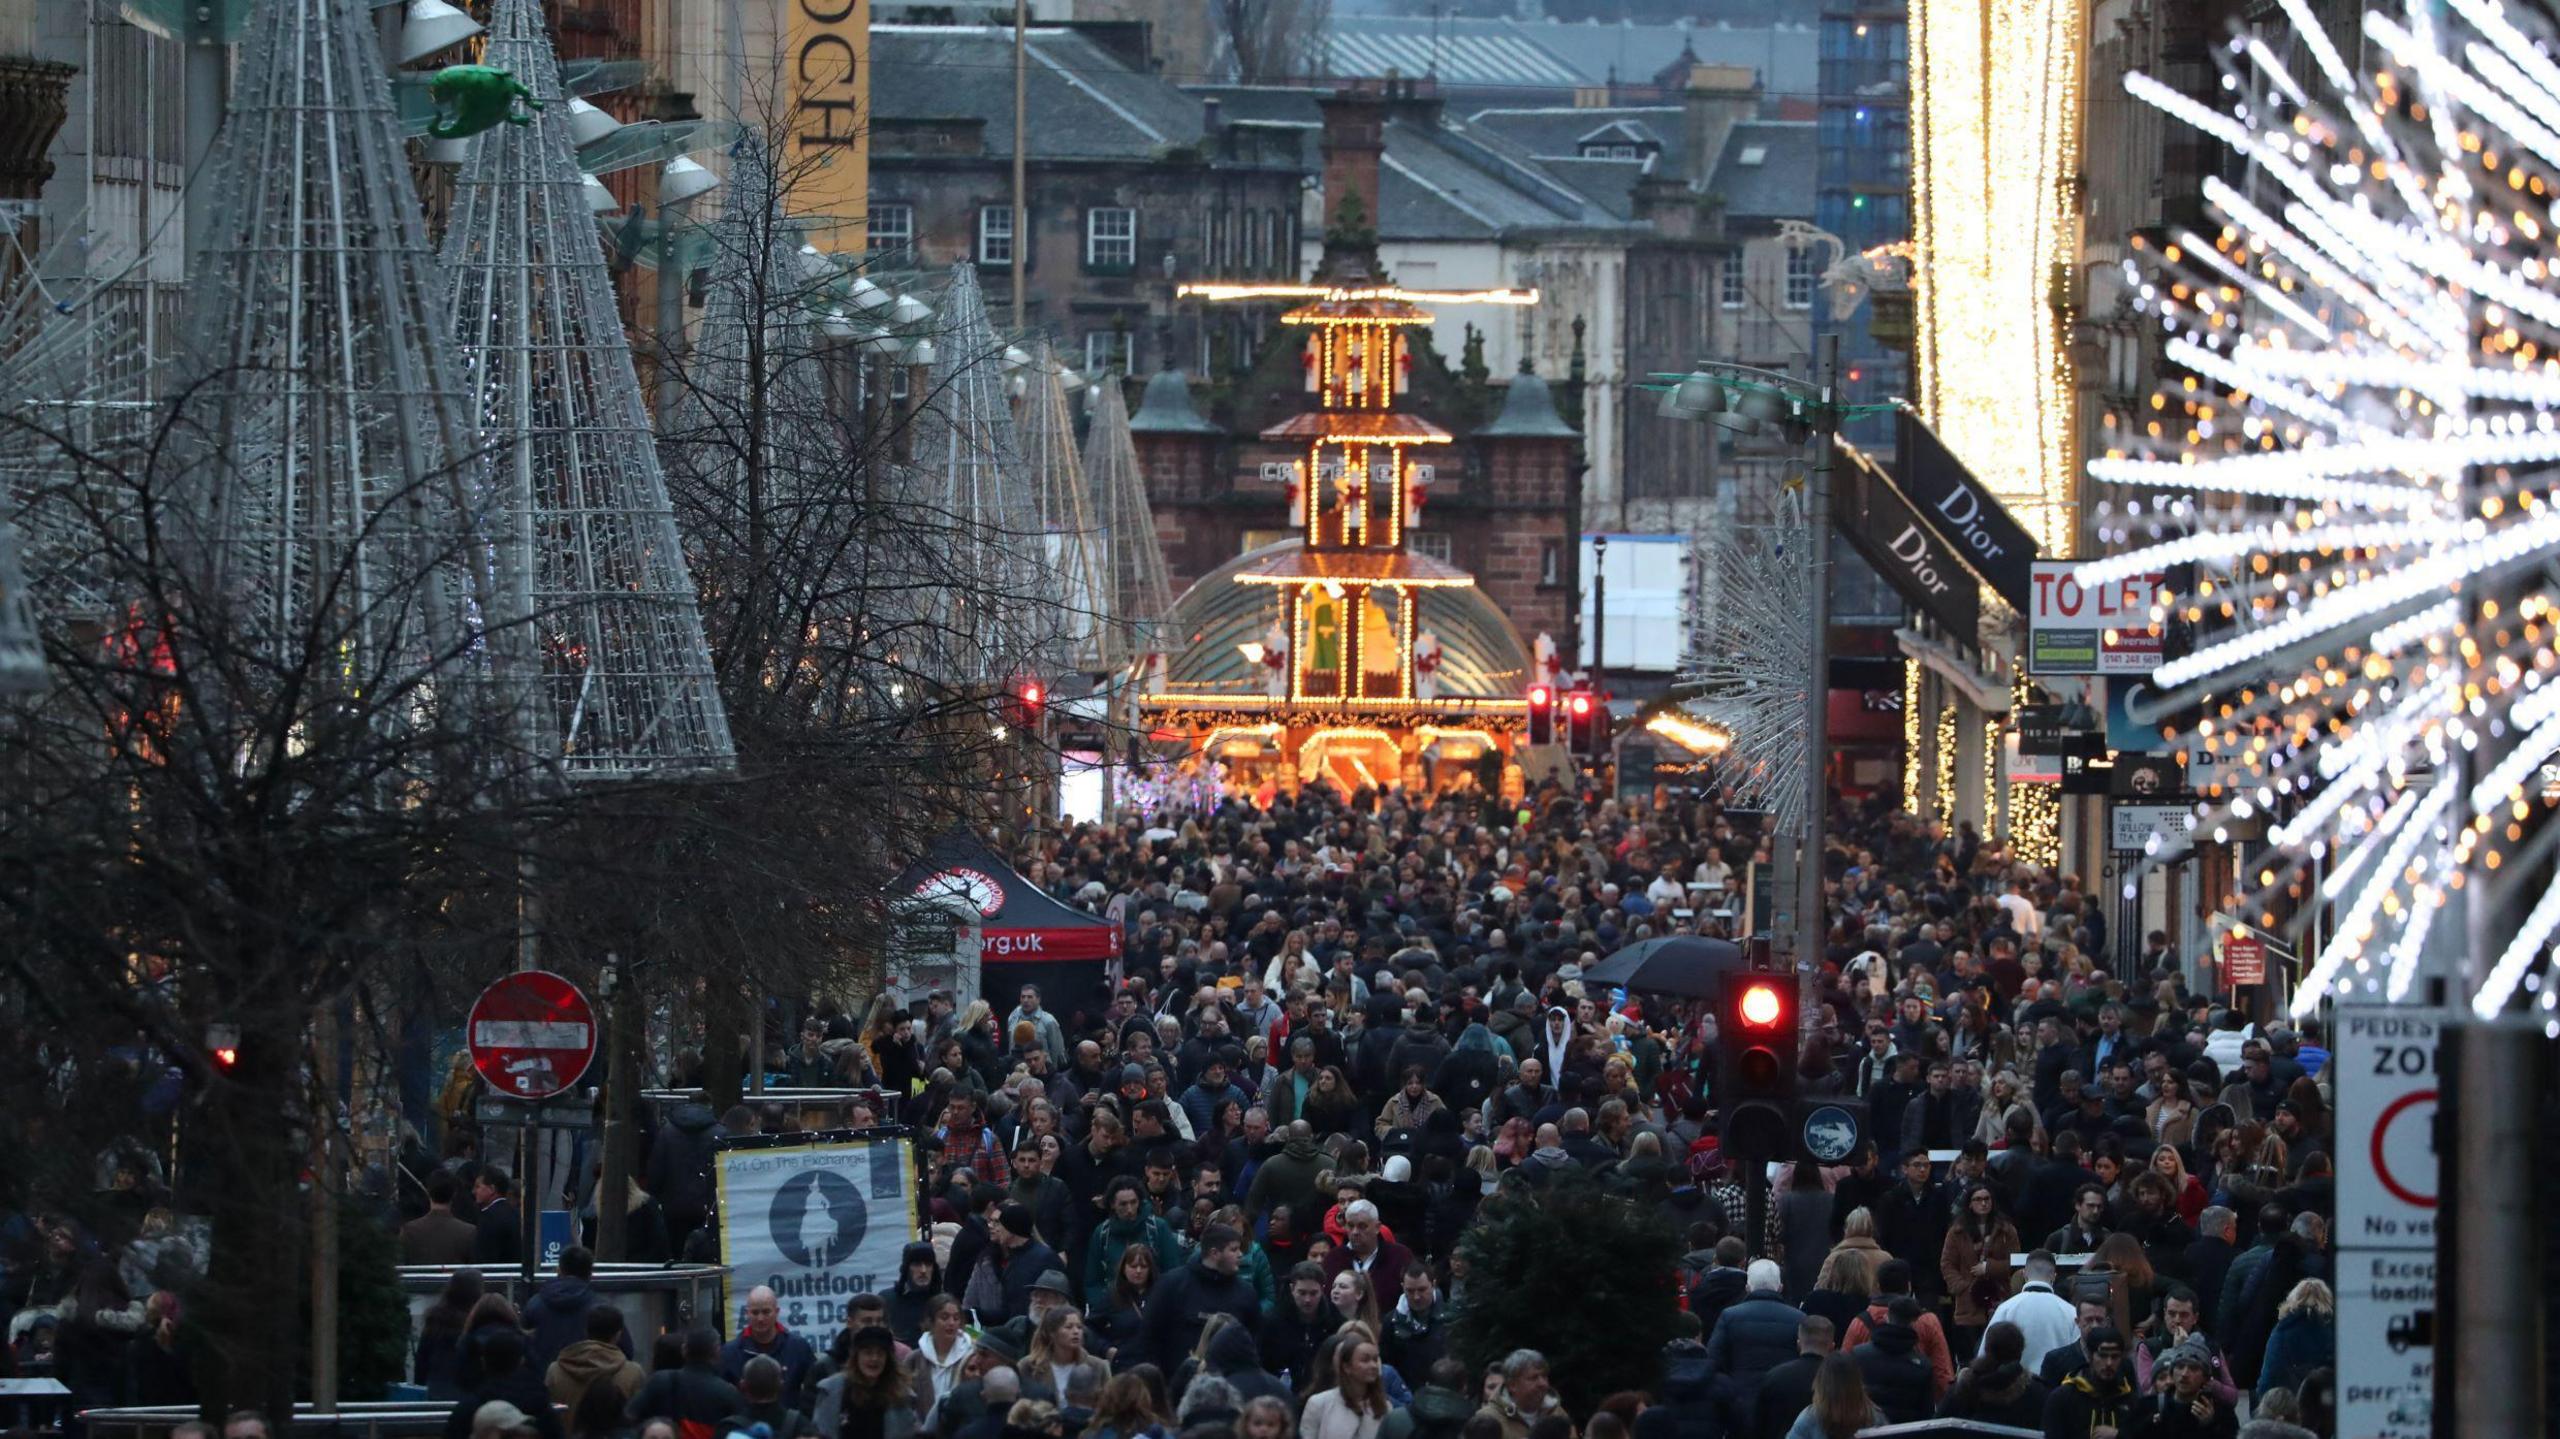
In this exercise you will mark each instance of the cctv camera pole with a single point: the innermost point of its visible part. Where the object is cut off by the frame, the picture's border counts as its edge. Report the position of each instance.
(1810, 925)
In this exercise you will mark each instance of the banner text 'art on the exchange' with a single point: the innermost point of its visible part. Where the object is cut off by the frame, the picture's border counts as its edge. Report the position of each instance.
(816, 1223)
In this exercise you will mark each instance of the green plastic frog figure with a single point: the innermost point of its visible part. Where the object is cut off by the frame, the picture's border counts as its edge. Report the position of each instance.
(479, 97)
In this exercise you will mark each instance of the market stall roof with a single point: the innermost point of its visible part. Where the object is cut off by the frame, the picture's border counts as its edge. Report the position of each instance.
(1018, 924)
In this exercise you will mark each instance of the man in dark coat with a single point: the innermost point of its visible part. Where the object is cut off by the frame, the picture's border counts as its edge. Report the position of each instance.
(1789, 1387)
(556, 1316)
(500, 1239)
(2209, 1257)
(1755, 1335)
(1911, 1222)
(1023, 1258)
(1185, 1299)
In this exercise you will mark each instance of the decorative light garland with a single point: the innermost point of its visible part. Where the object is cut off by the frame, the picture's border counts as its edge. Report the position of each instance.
(2035, 808)
(1948, 755)
(1339, 295)
(1994, 801)
(1911, 772)
(1995, 120)
(2377, 650)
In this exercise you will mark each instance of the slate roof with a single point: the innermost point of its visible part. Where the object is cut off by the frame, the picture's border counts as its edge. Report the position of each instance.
(1089, 104)
(1780, 187)
(1558, 131)
(1529, 56)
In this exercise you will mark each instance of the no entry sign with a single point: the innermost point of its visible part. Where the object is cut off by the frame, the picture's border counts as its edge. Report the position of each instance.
(531, 1034)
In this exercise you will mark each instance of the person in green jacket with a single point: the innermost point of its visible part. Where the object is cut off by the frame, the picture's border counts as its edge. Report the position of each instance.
(1132, 1221)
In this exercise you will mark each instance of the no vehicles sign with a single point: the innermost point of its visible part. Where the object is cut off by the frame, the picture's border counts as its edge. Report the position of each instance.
(2386, 1059)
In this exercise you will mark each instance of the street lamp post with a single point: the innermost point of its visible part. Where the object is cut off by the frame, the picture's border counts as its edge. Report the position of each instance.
(1811, 410)
(1817, 685)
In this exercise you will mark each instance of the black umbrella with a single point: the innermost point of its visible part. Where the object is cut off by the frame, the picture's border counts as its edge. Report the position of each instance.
(1682, 964)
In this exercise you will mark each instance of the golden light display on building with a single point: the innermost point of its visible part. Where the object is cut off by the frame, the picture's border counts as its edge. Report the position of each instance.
(1995, 118)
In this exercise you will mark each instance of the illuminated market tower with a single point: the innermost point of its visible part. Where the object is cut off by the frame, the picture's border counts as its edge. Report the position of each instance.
(1353, 687)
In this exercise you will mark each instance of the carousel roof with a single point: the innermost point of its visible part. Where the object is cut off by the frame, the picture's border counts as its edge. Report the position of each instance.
(1378, 427)
(1300, 565)
(1481, 655)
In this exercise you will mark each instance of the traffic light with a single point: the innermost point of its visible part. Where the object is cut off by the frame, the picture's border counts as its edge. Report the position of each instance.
(1030, 706)
(1581, 721)
(1756, 1065)
(1542, 714)
(222, 1042)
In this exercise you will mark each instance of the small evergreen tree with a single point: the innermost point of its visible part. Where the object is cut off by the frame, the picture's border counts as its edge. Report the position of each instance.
(1580, 1276)
(373, 1311)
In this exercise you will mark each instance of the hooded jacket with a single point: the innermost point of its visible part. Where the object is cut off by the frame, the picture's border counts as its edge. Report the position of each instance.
(1896, 1374)
(1112, 1237)
(2079, 1404)
(1183, 1302)
(1552, 1045)
(1932, 1337)
(2007, 1395)
(1233, 1357)
(1472, 1074)
(588, 1362)
(1288, 1177)
(680, 1163)
(556, 1318)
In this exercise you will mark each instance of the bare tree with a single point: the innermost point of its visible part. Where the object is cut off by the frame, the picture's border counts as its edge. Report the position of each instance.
(1274, 41)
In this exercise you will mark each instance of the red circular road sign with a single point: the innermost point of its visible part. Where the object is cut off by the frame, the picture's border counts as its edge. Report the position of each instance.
(2403, 1106)
(531, 1034)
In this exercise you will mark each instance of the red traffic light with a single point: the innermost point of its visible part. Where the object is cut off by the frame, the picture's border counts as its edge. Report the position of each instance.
(1031, 694)
(226, 1057)
(1581, 705)
(1540, 696)
(1762, 1007)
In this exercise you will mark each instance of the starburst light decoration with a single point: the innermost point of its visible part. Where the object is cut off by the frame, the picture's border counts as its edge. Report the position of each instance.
(2362, 477)
(1749, 657)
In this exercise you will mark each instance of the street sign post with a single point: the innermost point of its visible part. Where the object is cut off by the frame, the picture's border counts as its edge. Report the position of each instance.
(532, 1034)
(2386, 1058)
(2244, 960)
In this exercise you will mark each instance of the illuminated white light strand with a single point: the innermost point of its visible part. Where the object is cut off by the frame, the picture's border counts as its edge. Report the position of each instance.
(2518, 956)
(2413, 940)
(2238, 375)
(2268, 295)
(2412, 827)
(2240, 544)
(2340, 606)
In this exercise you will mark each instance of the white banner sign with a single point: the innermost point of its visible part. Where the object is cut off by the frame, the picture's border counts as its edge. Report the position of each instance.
(2385, 1060)
(2386, 1343)
(817, 1224)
